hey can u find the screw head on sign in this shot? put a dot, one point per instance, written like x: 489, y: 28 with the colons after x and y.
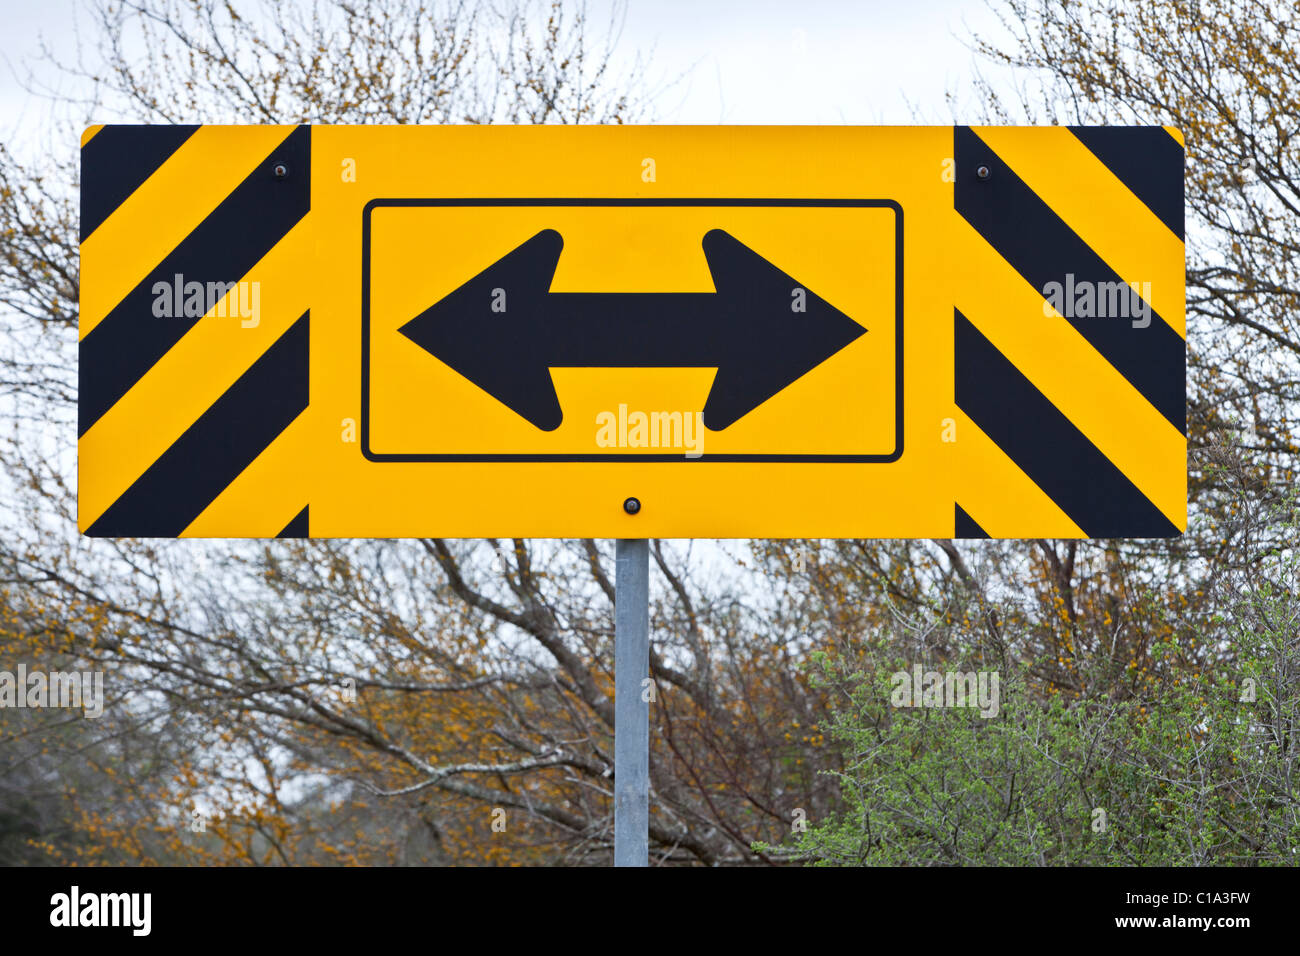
x: 281, y: 170
x: 982, y: 172
x: 632, y: 505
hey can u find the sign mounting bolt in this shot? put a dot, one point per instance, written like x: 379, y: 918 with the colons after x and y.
x: 982, y: 172
x: 281, y: 170
x: 632, y: 505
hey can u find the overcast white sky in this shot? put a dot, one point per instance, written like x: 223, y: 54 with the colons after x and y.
x: 746, y: 61
x: 810, y: 61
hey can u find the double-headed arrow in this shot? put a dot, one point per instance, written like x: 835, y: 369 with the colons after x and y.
x: 747, y: 329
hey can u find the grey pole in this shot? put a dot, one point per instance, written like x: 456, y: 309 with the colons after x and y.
x: 631, y: 713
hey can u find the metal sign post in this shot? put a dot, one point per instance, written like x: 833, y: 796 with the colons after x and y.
x: 631, y: 712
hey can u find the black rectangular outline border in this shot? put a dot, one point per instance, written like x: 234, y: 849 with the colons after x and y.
x: 630, y: 202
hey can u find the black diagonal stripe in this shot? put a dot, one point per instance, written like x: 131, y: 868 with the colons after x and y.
x: 298, y: 527
x: 212, y: 452
x: 965, y: 526
x: 1147, y: 160
x: 1043, y: 443
x: 223, y: 248
x: 1043, y: 249
x: 117, y: 161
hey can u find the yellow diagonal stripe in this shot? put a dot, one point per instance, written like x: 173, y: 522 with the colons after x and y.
x: 1074, y: 376
x: 164, y: 210
x: 999, y: 496
x: 261, y: 501
x: 1101, y: 209
x: 190, y: 377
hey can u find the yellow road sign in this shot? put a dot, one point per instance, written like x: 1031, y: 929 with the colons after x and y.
x: 632, y: 332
